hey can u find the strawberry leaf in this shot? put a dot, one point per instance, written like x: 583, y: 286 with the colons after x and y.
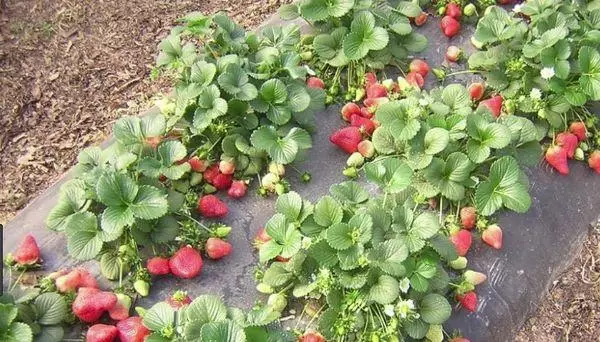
x: 206, y: 309
x: 290, y: 205
x: 434, y: 309
x: 385, y: 290
x: 83, y: 236
x: 391, y: 174
x: 349, y: 193
x: 160, y: 316
x: 315, y: 10
x: 589, y: 63
x: 328, y: 212
x: 72, y: 199
x: 51, y: 308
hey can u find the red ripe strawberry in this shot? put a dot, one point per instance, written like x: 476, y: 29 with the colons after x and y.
x: 158, y: 266
x: 86, y: 279
x: 556, y: 156
x: 594, y: 161
x: 222, y: 181
x: 421, y: 19
x: 468, y: 217
x: 461, y: 241
x: 505, y: 2
x: 68, y: 282
x: 238, y: 189
x: 186, y: 263
x: 450, y: 26
x: 568, y: 141
x: 312, y: 337
x: 347, y: 139
x: 101, y: 333
x: 453, y: 53
x: 419, y: 66
x: 217, y: 248
x: 282, y: 259
x: 492, y: 236
x: 366, y: 148
x: 197, y: 164
x: 376, y: 90
x: 210, y: 173
x: 364, y: 124
x: 370, y: 79
x: 468, y: 300
x: 261, y: 237
x: 415, y: 79
x: 373, y: 103
x: 350, y: 109
x: 28, y: 252
x: 476, y: 91
x: 578, y: 128
x: 132, y: 330
x: 120, y: 311
x: 366, y: 113
x: 494, y: 105
x: 226, y: 167
x: 212, y: 206
x: 91, y: 303
x: 453, y: 10
x: 179, y: 299
x: 315, y: 82
x: 459, y: 339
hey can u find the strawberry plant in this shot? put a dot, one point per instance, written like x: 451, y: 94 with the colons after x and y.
x: 353, y: 36
x: 240, y: 98
x: 355, y: 257
x: 550, y: 71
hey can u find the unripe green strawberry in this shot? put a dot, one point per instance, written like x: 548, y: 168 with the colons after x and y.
x: 222, y: 231
x: 306, y: 55
x: 280, y: 189
x: 388, y: 84
x: 441, y: 11
x: 209, y: 189
x: 356, y: 159
x: 277, y: 302
x: 307, y: 39
x: 584, y: 146
x: 195, y: 178
x: 264, y: 288
x: 269, y: 180
x: 306, y: 177
x: 459, y: 264
x: 360, y: 93
x: 469, y: 10
x: 350, y: 172
x: 474, y: 278
x: 440, y: 74
x: 579, y: 155
x: 277, y: 169
x: 141, y: 287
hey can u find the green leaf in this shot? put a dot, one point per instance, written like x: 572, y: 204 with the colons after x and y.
x: 328, y: 212
x: 115, y: 189
x: 385, y: 290
x: 502, y: 188
x: 391, y: 174
x: 51, y: 308
x: 273, y: 91
x: 150, y: 203
x: 83, y: 239
x: 206, y: 309
x: 160, y: 316
x: 289, y: 11
x: 290, y: 205
x: 18, y: 332
x: 409, y: 8
x: 426, y: 225
x: 323, y: 254
x: 436, y: 140
x: 434, y: 309
x: 383, y: 140
x: 277, y: 275
x: 339, y: 236
x: 202, y: 73
x: 364, y: 36
x: 50, y: 334
x: 226, y: 331
x: 389, y: 255
x: 8, y: 313
x: 315, y: 10
x: 71, y: 200
x: 589, y: 63
x: 349, y: 192
x: 109, y: 266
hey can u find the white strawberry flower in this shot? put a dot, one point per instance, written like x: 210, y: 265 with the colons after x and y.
x: 547, y: 73
x: 404, y: 285
x: 517, y: 8
x: 405, y: 307
x: 389, y: 310
x: 535, y: 94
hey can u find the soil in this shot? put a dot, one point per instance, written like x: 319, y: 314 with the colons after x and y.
x: 571, y: 310
x: 68, y: 69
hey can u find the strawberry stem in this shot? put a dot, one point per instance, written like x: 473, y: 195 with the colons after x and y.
x: 463, y: 72
x: 189, y: 217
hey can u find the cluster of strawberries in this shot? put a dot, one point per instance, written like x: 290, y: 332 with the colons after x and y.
x: 461, y: 238
x: 187, y: 262
x: 571, y: 144
x: 452, y: 13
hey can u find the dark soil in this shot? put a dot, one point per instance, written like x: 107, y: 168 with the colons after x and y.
x: 69, y: 68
